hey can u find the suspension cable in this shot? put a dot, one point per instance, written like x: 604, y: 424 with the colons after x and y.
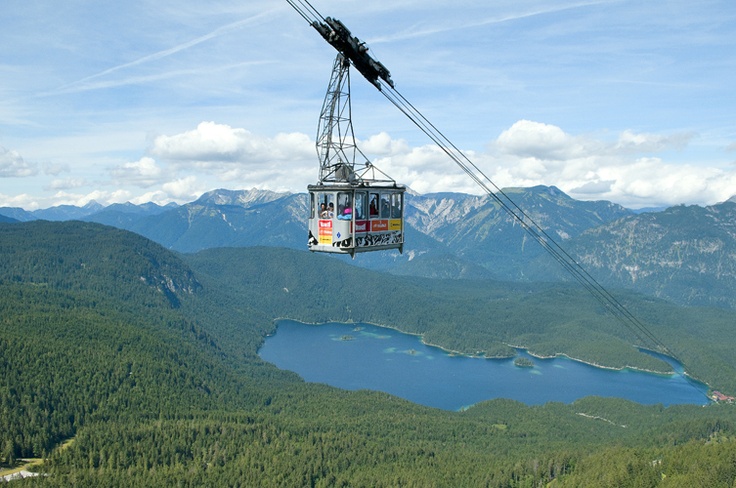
x: 306, y: 10
x: 601, y: 294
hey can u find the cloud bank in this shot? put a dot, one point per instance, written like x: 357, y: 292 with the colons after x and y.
x: 628, y: 169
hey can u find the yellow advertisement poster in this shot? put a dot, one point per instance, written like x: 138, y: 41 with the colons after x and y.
x: 325, y: 232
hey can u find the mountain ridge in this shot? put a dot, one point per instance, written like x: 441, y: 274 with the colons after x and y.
x: 455, y: 235
x: 665, y: 252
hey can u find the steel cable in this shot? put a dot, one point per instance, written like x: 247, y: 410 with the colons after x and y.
x: 604, y: 297
x: 581, y: 275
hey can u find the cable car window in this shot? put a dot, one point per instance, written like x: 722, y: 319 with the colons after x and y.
x: 396, y: 205
x: 385, y: 206
x: 344, y: 206
x: 326, y: 205
x: 361, y: 199
x: 374, y: 205
x: 312, y: 204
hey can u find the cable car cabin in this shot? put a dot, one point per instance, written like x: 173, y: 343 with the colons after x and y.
x: 348, y: 219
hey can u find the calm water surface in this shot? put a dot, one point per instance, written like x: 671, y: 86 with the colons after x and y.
x: 375, y: 358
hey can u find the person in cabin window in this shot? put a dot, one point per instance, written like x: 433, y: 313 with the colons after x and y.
x: 323, y: 211
x: 374, y: 206
x: 331, y: 210
x: 347, y: 212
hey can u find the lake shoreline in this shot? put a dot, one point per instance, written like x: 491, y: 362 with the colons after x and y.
x: 384, y: 358
x: 516, y: 347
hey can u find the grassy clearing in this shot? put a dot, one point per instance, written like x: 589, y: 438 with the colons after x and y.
x: 28, y: 463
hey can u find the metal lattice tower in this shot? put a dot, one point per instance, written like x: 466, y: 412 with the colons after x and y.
x: 336, y: 146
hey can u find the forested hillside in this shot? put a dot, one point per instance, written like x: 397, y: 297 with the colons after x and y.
x: 89, y: 257
x: 148, y: 361
x: 91, y: 329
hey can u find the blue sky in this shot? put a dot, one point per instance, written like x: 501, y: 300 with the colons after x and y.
x: 627, y: 101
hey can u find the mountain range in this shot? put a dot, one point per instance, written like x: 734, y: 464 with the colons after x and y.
x: 686, y: 254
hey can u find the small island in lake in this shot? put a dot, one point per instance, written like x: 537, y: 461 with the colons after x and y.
x: 347, y: 337
x: 523, y: 363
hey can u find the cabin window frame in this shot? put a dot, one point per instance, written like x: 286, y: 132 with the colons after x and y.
x: 360, y: 205
x: 374, y: 202
x: 344, y: 200
x: 325, y: 197
x: 397, y: 205
x: 385, y: 206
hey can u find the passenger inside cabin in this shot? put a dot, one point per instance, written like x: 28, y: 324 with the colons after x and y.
x: 359, y: 207
x: 347, y: 213
x: 331, y: 210
x: 374, y: 206
x: 385, y: 207
x: 323, y: 211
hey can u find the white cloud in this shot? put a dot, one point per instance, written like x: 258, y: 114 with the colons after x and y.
x: 627, y: 169
x: 221, y: 155
x: 293, y: 145
x: 183, y: 189
x: 80, y: 199
x: 209, y: 142
x: 589, y: 168
x: 382, y: 145
x: 23, y: 200
x: 55, y: 169
x: 543, y: 141
x: 424, y: 169
x: 651, y: 181
x: 67, y: 184
x: 630, y: 141
x: 212, y: 144
x: 531, y: 153
x: 12, y: 164
x: 144, y: 172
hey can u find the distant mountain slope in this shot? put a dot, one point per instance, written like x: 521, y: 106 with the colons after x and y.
x: 479, y: 231
x: 17, y: 214
x: 67, y: 212
x: 58, y: 213
x: 686, y: 254
x: 240, y: 198
x: 206, y: 223
x: 125, y: 215
x: 452, y: 233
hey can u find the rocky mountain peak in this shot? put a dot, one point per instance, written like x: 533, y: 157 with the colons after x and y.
x: 241, y: 198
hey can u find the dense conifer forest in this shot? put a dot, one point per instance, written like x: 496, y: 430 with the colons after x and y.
x: 147, y: 361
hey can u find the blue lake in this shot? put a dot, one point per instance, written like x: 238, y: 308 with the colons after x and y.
x: 381, y: 359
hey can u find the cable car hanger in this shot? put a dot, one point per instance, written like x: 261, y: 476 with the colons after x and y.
x: 356, y: 52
